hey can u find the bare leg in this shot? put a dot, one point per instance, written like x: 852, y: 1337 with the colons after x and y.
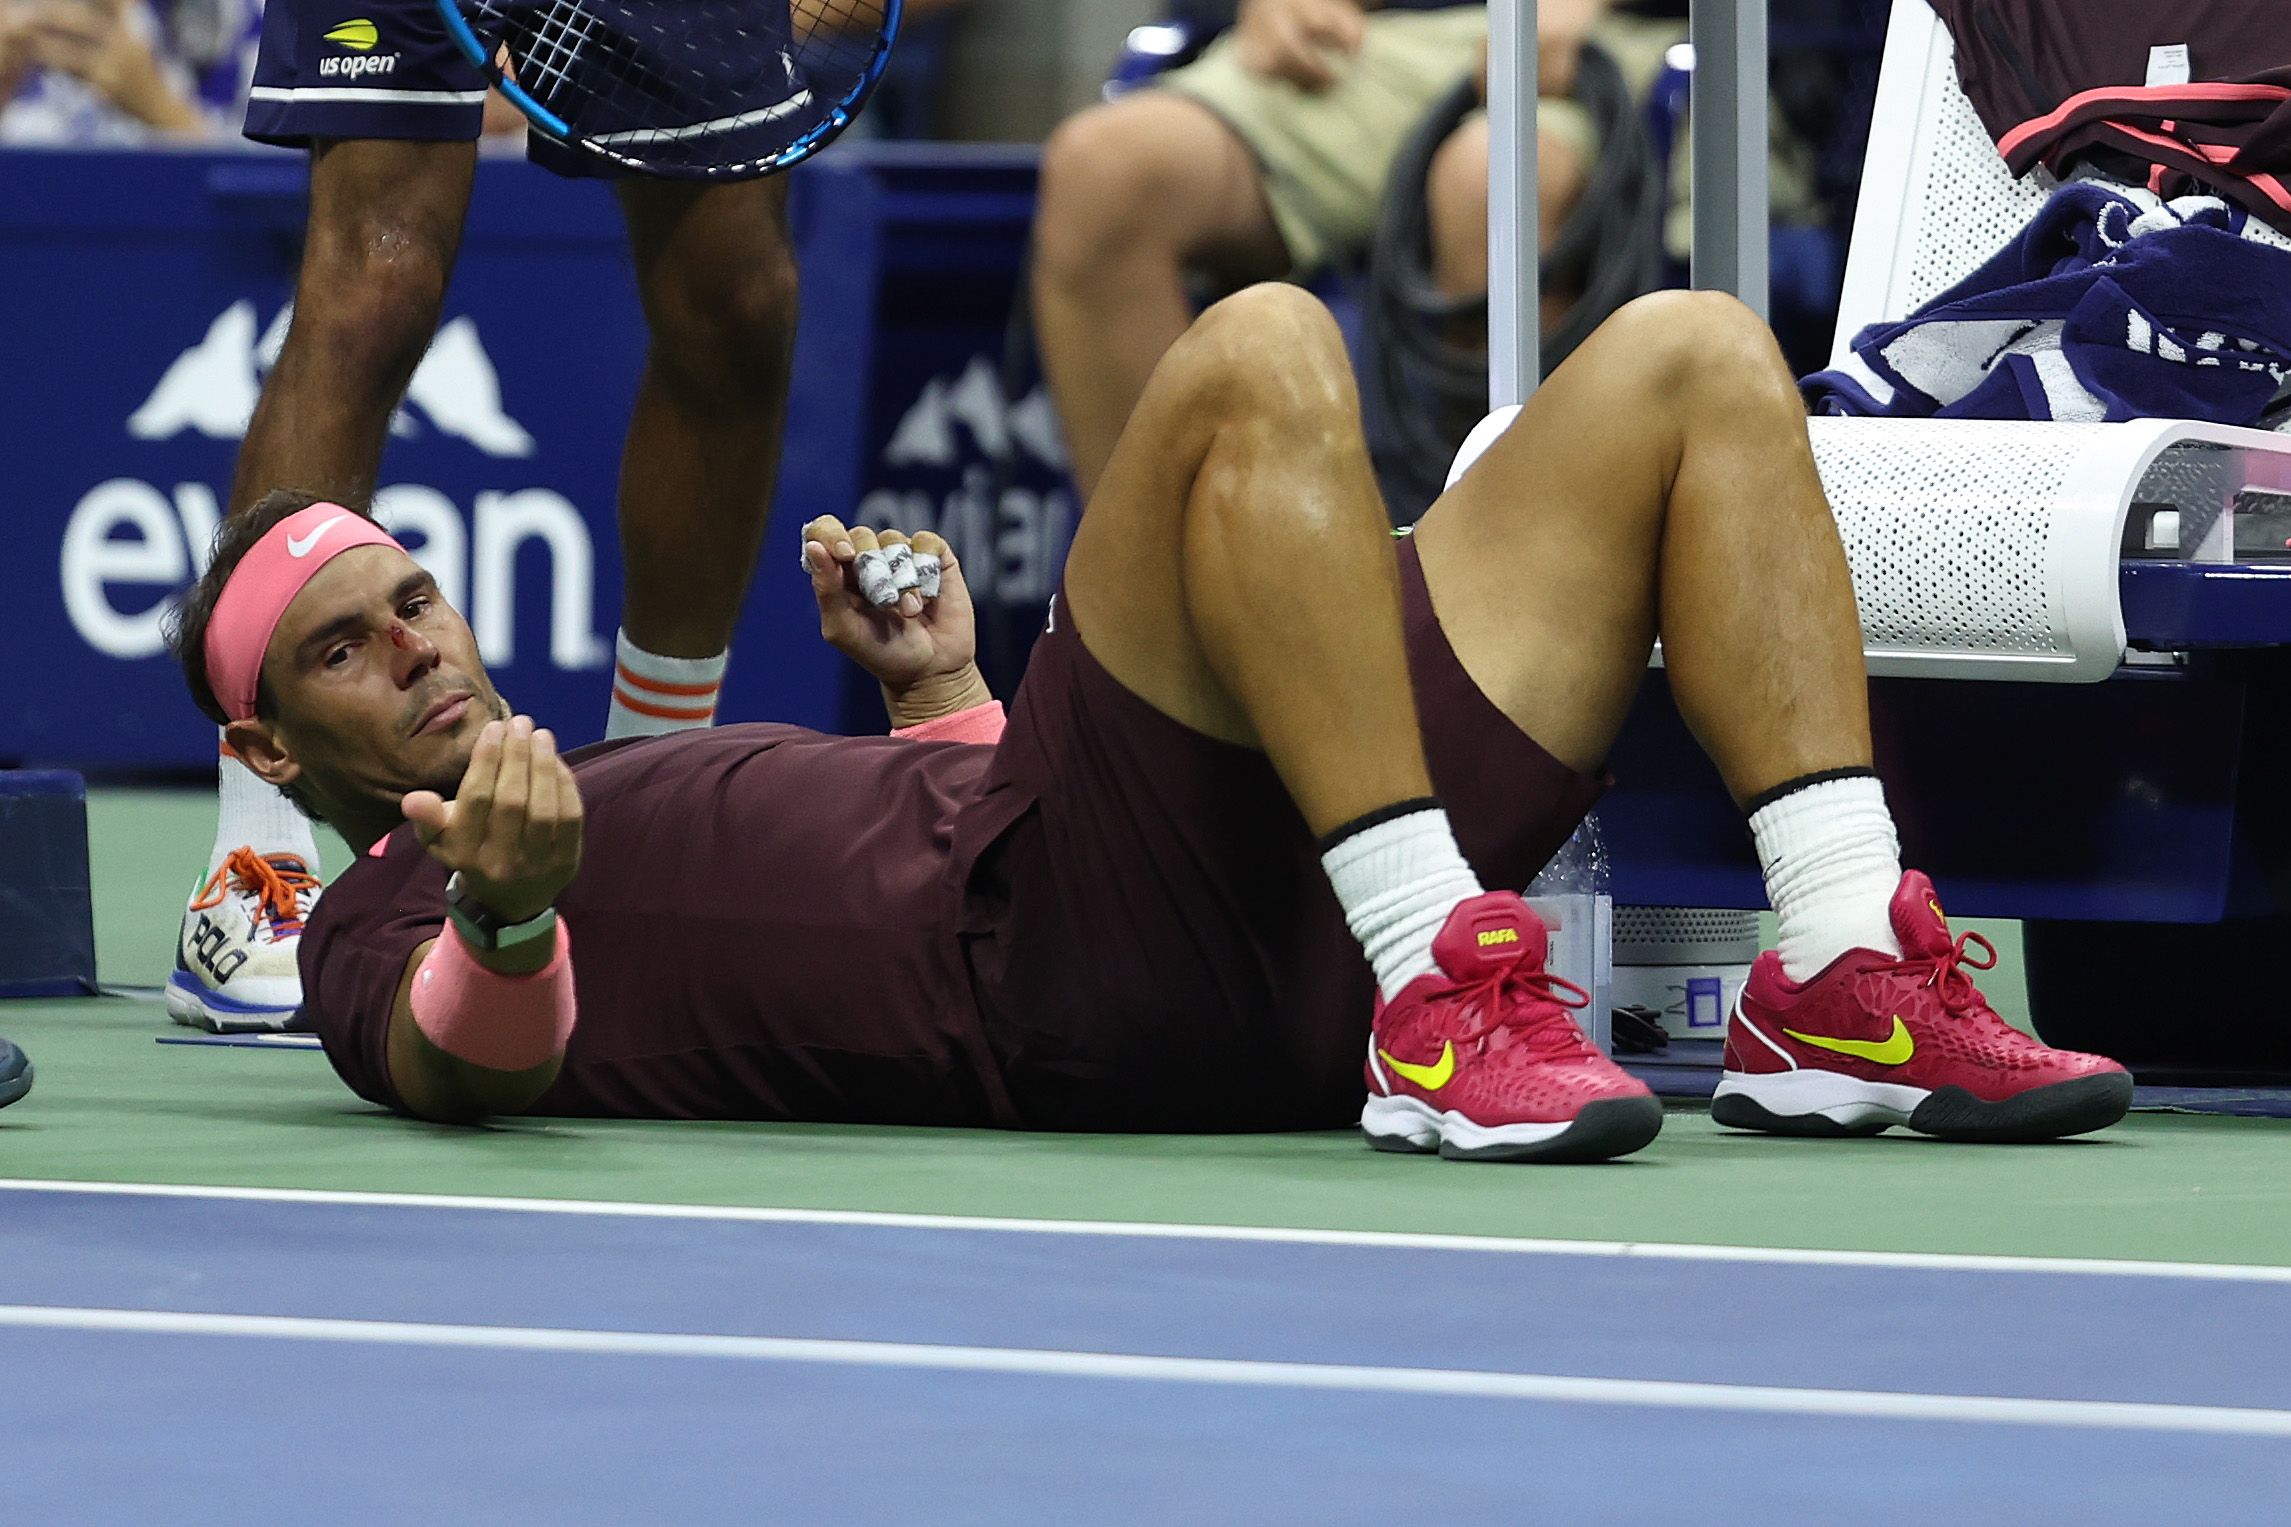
x: 1660, y: 480
x: 1456, y: 196
x: 385, y: 225
x: 1235, y: 569
x: 719, y: 287
x: 1134, y: 195
x: 1236, y: 572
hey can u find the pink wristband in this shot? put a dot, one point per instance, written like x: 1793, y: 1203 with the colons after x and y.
x: 503, y: 1023
x: 982, y: 723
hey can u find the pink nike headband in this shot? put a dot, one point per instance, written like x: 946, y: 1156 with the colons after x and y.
x: 256, y: 595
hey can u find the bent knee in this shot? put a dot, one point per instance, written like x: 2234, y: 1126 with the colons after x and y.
x: 1271, y: 350
x: 1457, y: 181
x: 1456, y: 199
x: 1562, y: 172
x: 1693, y: 341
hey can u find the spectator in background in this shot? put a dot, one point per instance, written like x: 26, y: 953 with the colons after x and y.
x: 121, y: 71
x: 1265, y: 158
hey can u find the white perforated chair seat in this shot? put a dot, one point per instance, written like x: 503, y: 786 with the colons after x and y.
x: 1990, y: 549
x: 1963, y: 540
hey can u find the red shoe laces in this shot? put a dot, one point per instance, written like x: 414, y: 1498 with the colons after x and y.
x: 1527, y: 1003
x: 277, y: 890
x: 1945, y: 973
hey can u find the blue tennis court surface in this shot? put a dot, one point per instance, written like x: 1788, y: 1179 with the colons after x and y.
x: 226, y: 1355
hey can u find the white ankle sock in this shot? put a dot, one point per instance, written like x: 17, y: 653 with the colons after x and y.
x: 1398, y: 880
x: 1832, y: 863
x: 654, y: 694
x: 254, y: 815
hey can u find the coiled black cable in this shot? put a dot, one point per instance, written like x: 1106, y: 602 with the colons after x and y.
x: 1427, y: 389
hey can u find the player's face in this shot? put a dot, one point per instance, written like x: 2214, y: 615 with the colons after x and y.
x: 378, y: 682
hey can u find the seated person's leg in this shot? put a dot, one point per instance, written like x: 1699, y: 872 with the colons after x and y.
x: 1456, y: 198
x: 1227, y: 171
x: 1135, y: 194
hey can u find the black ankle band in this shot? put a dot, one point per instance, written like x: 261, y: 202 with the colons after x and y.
x: 1378, y: 818
x: 1766, y: 798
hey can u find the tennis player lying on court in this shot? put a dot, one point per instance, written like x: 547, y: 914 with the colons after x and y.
x: 1252, y: 745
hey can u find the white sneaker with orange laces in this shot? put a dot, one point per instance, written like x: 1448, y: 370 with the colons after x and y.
x: 235, y: 963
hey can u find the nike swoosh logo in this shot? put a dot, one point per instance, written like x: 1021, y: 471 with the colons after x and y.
x: 1893, y: 1050
x: 299, y: 546
x: 1431, y: 1078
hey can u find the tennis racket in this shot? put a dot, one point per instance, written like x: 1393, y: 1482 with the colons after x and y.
x: 682, y: 89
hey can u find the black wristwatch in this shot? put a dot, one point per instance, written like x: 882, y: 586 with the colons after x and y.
x: 482, y: 928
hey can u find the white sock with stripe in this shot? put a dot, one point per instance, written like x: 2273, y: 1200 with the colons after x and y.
x: 1398, y: 874
x: 252, y: 814
x: 1832, y: 863
x: 653, y: 694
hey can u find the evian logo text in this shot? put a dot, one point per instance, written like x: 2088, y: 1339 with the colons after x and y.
x: 1011, y: 550
x: 130, y: 544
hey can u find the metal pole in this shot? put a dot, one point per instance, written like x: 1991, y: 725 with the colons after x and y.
x: 1729, y: 119
x: 1514, y: 264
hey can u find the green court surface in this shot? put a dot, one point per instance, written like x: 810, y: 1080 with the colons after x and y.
x: 112, y: 1105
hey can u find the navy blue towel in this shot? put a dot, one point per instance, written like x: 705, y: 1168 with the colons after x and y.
x: 2111, y: 304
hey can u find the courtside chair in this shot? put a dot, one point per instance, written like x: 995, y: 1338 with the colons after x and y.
x: 2106, y: 740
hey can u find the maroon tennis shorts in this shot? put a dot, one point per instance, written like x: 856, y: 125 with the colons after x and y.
x: 1150, y: 936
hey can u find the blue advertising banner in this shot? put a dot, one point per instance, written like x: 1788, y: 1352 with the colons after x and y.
x: 961, y: 437
x: 143, y: 298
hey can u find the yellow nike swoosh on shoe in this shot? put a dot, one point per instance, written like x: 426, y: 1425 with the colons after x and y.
x: 1431, y: 1078
x: 1893, y: 1050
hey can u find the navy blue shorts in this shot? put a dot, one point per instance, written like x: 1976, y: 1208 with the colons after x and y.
x: 375, y: 69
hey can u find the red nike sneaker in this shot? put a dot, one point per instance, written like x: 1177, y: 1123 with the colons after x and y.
x: 1480, y: 1061
x: 1875, y: 1041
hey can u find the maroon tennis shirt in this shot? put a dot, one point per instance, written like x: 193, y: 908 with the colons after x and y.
x: 764, y: 926
x: 2198, y: 89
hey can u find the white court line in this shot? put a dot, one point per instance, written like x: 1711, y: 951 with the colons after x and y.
x: 2221, y: 1272
x: 1993, y: 1410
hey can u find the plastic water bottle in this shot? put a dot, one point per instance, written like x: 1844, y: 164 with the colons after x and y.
x: 1573, y: 894
x: 1580, y: 868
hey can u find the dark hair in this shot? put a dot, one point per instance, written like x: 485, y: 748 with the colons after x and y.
x: 187, y: 627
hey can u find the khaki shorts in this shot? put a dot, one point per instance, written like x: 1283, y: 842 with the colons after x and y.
x: 1326, y: 157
